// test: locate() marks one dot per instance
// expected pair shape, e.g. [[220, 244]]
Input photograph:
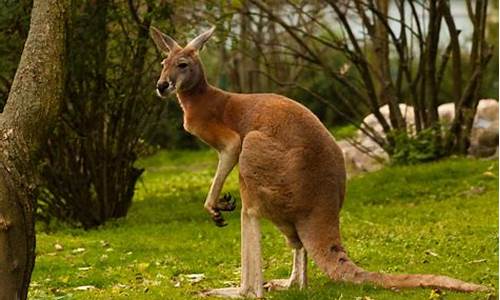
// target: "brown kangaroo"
[[291, 172]]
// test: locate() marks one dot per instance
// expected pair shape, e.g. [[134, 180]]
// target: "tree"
[[389, 64], [109, 106], [30, 111], [14, 26]]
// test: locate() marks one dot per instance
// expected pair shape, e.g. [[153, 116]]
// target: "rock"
[[373, 156], [446, 112], [487, 109], [358, 161], [484, 135], [484, 139], [371, 120]]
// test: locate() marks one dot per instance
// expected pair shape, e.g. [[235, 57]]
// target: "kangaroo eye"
[[182, 65]]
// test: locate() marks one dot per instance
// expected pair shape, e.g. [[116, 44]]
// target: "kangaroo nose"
[[162, 86]]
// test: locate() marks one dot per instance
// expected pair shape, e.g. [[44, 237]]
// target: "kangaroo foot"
[[232, 292], [278, 285]]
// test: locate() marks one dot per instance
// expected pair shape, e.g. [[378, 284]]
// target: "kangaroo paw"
[[226, 203], [218, 219]]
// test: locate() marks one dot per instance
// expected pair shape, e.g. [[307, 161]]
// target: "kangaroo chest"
[[202, 126]]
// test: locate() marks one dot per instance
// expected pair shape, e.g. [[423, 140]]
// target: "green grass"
[[344, 132], [433, 218]]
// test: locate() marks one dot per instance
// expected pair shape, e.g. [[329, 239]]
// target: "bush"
[[88, 172], [413, 149]]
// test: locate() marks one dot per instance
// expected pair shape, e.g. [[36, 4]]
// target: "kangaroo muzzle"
[[163, 88]]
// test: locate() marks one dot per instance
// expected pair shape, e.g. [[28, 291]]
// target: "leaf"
[[85, 288], [194, 278], [436, 294], [78, 250], [489, 174], [477, 261]]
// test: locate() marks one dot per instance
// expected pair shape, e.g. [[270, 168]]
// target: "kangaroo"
[[291, 172]]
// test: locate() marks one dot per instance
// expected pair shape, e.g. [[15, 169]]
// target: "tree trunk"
[[30, 111], [386, 88]]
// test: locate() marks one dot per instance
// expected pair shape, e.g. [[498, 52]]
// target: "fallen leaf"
[[230, 283], [84, 288], [429, 252], [477, 261], [344, 69], [194, 278], [436, 294], [489, 174]]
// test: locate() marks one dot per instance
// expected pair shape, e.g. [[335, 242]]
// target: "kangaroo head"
[[182, 69]]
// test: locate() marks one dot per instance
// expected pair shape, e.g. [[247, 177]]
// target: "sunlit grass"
[[433, 218]]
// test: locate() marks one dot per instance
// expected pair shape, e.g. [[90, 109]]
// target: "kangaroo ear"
[[198, 42], [164, 43]]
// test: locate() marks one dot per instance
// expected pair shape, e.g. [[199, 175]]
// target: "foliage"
[[389, 52], [438, 217], [344, 132], [14, 26], [246, 61], [88, 165], [415, 149]]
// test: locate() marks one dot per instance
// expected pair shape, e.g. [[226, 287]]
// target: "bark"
[[380, 40], [458, 138], [31, 108], [432, 47], [422, 64]]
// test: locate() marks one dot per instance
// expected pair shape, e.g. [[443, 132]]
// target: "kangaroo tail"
[[324, 247]]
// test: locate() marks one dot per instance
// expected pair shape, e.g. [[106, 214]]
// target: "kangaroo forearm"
[[227, 161]]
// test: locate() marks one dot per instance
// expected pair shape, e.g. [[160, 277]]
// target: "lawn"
[[433, 218]]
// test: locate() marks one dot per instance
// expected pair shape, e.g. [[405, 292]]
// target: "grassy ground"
[[434, 218], [344, 132]]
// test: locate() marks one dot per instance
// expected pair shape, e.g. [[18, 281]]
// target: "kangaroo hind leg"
[[298, 277], [251, 285]]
